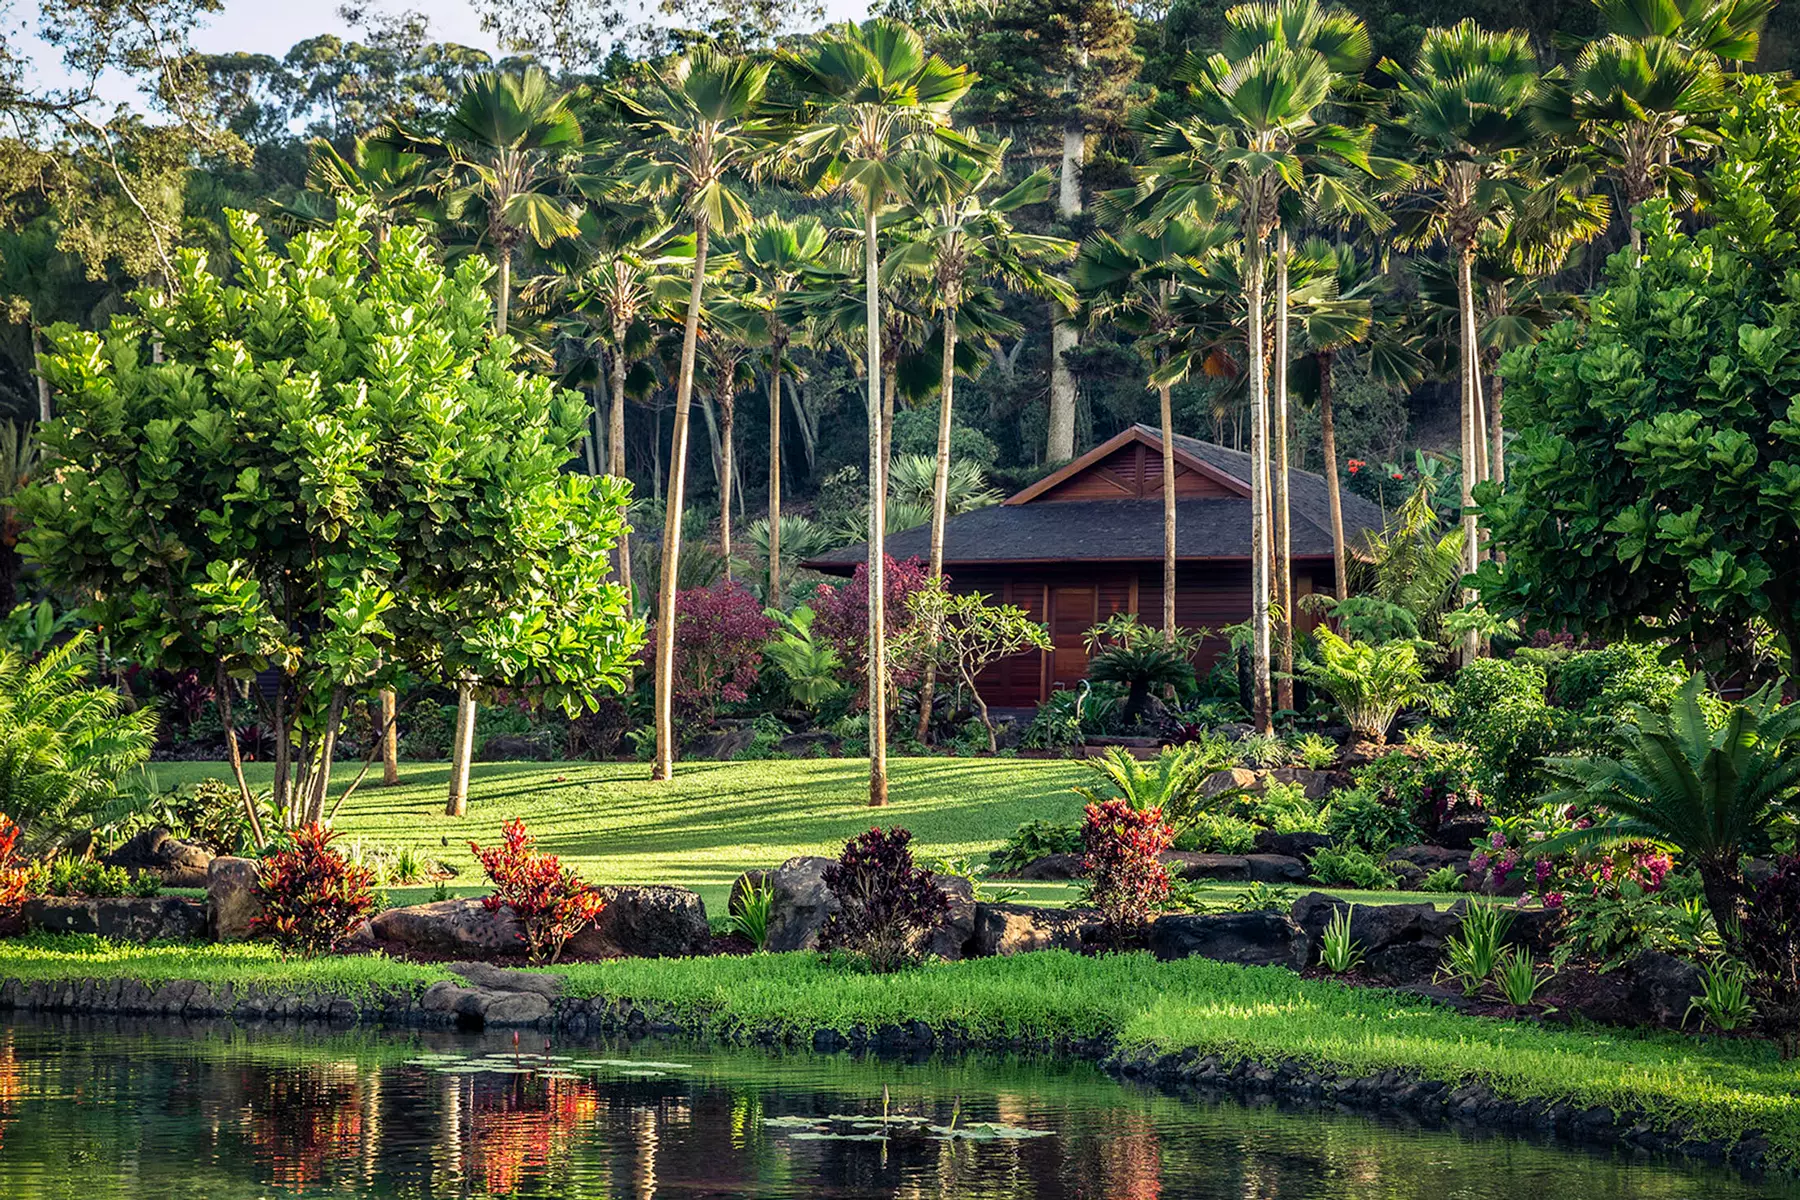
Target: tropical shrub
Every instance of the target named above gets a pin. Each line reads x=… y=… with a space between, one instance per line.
x=886 y=905
x=551 y=902
x=1171 y=783
x=809 y=667
x=66 y=875
x=1262 y=897
x=1281 y=808
x=1369 y=684
x=843 y=618
x=1714 y=793
x=1605 y=686
x=1346 y=866
x=1123 y=650
x=1611 y=926
x=331 y=470
x=1126 y=877
x=1032 y=841
x=1357 y=818
x=1216 y=833
x=1263 y=751
x=1499 y=709
x=962 y=635
x=1430 y=781
x=720 y=631
x=15 y=873
x=1770 y=945
x=64 y=746
x=313 y=898
x=1069 y=717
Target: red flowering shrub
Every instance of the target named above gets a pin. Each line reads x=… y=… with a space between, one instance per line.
x=551 y=903
x=842 y=618
x=1123 y=846
x=886 y=904
x=313 y=898
x=1769 y=941
x=719 y=636
x=15 y=877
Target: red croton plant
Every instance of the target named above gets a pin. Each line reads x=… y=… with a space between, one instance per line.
x=1124 y=846
x=313 y=898
x=551 y=903
x=15 y=877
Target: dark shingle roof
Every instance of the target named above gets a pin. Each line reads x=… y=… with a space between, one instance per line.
x=1125 y=530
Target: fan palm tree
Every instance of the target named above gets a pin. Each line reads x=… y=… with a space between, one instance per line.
x=874 y=98
x=1730 y=30
x=392 y=178
x=702 y=120
x=777 y=253
x=1133 y=280
x=1465 y=103
x=1711 y=790
x=1641 y=105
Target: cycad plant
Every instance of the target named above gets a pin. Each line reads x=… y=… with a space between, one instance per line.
x=1173 y=781
x=1712 y=790
x=64 y=746
x=874 y=98
x=701 y=121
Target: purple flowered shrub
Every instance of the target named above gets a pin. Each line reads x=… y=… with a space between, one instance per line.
x=719 y=636
x=887 y=906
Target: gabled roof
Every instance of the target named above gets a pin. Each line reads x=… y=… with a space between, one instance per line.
x=1030 y=529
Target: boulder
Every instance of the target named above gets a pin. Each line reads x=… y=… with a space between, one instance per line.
x=231 y=900
x=1293 y=845
x=723 y=745
x=462 y=926
x=490 y=995
x=645 y=922
x=1004 y=929
x=812 y=743
x=1232 y=778
x=1401 y=942
x=1651 y=989
x=951 y=939
x=1318 y=784
x=181 y=863
x=1411 y=864
x=801 y=903
x=120 y=918
x=1460 y=832
x=1052 y=867
x=1275 y=868
x=1260 y=939
x=1189 y=864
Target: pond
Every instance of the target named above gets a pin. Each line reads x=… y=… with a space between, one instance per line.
x=95 y=1109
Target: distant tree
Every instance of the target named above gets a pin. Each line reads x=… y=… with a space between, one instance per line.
x=963 y=635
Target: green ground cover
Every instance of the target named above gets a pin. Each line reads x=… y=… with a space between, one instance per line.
x=714 y=821
x=1723 y=1087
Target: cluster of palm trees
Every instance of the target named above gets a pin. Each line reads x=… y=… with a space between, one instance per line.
x=1252 y=247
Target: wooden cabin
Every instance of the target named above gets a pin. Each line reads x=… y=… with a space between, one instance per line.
x=1085 y=542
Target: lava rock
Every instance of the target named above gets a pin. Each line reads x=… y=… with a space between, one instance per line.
x=1052 y=867
x=806 y=745
x=181 y=863
x=516 y=747
x=231 y=899
x=1461 y=833
x=120 y=918
x=723 y=745
x=951 y=939
x=1232 y=868
x=462 y=926
x=1275 y=868
x=1005 y=929
x=1402 y=942
x=645 y=922
x=801 y=904
x=1293 y=845
x=1411 y=864
x=1262 y=939
x=1651 y=989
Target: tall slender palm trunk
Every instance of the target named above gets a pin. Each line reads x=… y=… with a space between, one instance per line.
x=664 y=767
x=1166 y=410
x=390 y=739
x=940 y=490
x=878 y=783
x=727 y=418
x=615 y=449
x=43 y=381
x=1333 y=497
x=773 y=596
x=1471 y=433
x=1283 y=549
x=1259 y=496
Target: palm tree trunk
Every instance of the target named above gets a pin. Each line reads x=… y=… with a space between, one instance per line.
x=1465 y=296
x=773 y=595
x=877 y=569
x=1333 y=498
x=503 y=290
x=1060 y=442
x=1168 y=473
x=1259 y=497
x=940 y=493
x=727 y=416
x=390 y=739
x=664 y=767
x=615 y=448
x=43 y=381
x=1496 y=431
x=1284 y=565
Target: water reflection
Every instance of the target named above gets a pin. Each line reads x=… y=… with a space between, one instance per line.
x=113 y=1109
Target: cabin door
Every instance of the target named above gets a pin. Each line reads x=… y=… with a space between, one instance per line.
x=1073 y=611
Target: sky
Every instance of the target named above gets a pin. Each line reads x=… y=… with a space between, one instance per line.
x=272 y=26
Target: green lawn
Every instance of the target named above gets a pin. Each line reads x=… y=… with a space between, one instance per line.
x=714 y=821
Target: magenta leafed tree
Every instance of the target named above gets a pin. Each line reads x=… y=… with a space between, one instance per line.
x=842 y=617
x=719 y=635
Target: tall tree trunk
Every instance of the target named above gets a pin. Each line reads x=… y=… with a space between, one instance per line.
x=727 y=417
x=222 y=696
x=773 y=596
x=462 y=749
x=390 y=738
x=1166 y=408
x=1259 y=496
x=664 y=767
x=940 y=488
x=503 y=290
x=1333 y=497
x=1496 y=429
x=43 y=381
x=615 y=450
x=877 y=568
x=1284 y=559
x=1465 y=297
x=1064 y=336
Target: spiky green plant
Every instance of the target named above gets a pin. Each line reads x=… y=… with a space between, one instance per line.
x=1369 y=684
x=1172 y=781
